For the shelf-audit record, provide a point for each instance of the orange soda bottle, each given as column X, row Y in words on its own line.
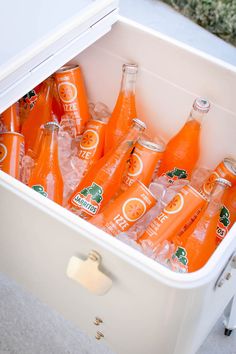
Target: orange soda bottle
column 57, row 107
column 10, row 119
column 182, row 151
column 176, row 216
column 104, row 178
column 27, row 103
column 46, row 176
column 125, row 110
column 40, row 114
column 227, row 216
column 201, row 243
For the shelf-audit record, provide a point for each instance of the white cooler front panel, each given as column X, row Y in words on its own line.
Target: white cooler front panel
column 148, row 308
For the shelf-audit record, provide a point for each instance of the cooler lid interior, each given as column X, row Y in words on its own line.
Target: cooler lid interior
column 30, row 29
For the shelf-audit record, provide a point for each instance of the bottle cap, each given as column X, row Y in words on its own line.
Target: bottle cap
column 130, row 68
column 140, row 123
column 223, row 182
column 201, row 104
column 50, row 124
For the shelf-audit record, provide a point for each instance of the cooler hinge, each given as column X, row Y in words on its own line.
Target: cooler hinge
column 226, row 274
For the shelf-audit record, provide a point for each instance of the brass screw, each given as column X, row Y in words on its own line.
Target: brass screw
column 99, row 335
column 97, row 321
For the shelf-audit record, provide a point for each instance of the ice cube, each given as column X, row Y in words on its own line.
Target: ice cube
column 68, row 125
column 99, row 111
column 157, row 189
column 200, row 174
column 129, row 241
column 27, row 165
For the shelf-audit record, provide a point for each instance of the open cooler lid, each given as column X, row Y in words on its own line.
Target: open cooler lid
column 38, row 37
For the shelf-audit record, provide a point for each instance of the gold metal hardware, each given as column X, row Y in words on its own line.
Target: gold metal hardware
column 87, row 272
column 97, row 321
column 99, row 335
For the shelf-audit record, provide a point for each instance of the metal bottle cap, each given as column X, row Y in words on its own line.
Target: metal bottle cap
column 140, row 123
column 201, row 104
column 223, row 182
column 130, row 68
column 50, row 124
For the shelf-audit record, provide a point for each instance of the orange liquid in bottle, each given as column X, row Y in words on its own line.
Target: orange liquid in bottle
column 10, row 119
column 125, row 110
column 201, row 243
column 227, row 216
column 104, row 178
column 40, row 114
column 46, row 176
column 182, row 151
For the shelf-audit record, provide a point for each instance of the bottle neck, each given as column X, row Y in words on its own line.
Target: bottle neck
column 128, row 83
column 129, row 140
column 49, row 147
column 214, row 206
column 195, row 115
column 216, row 199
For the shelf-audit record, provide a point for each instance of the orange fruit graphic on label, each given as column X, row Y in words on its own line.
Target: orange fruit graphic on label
column 3, row 152
column 135, row 165
column 209, row 184
column 89, row 140
column 175, row 205
column 133, row 209
column 67, row 92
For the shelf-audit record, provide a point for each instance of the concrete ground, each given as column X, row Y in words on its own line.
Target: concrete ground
column 30, row 327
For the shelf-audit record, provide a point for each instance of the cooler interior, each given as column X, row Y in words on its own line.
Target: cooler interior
column 146, row 305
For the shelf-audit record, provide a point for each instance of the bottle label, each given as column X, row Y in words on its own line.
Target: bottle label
column 180, row 259
column 40, row 189
column 3, row 152
column 175, row 174
column 223, row 223
column 89, row 199
column 30, row 98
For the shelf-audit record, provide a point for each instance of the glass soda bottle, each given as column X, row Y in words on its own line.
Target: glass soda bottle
column 227, row 216
column 10, row 120
column 46, row 176
column 125, row 110
column 39, row 115
column 201, row 243
column 182, row 151
column 104, row 178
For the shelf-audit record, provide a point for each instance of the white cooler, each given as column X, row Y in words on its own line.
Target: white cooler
column 105, row 287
